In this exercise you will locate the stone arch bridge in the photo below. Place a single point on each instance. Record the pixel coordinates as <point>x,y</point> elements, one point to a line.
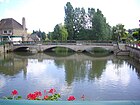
<point>75,47</point>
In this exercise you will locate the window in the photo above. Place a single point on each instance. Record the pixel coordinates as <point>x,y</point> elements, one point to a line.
<point>10,31</point>
<point>7,32</point>
<point>4,32</point>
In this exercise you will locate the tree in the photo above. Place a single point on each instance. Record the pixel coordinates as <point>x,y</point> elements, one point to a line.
<point>115,34</point>
<point>69,17</point>
<point>108,32</point>
<point>50,34</point>
<point>97,25</point>
<point>77,25</point>
<point>43,34</point>
<point>136,33</point>
<point>64,33</point>
<point>82,25</point>
<point>59,33</point>
<point>139,33</point>
<point>118,32</point>
<point>101,29</point>
<point>56,32</point>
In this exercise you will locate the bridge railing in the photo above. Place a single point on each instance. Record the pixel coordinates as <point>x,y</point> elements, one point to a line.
<point>87,42</point>
<point>134,45</point>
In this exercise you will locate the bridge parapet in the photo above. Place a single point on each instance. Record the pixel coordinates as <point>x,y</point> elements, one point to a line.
<point>134,50</point>
<point>78,47</point>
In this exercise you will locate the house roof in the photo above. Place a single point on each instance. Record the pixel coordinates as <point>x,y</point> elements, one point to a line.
<point>10,23</point>
<point>34,37</point>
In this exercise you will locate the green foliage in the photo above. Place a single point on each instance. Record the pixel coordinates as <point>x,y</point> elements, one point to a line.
<point>82,25</point>
<point>59,33</point>
<point>37,95</point>
<point>99,23</point>
<point>69,17</point>
<point>13,97</point>
<point>53,97</point>
<point>19,97</point>
<point>118,32</point>
<point>86,26</point>
<point>50,34</point>
<point>90,25</point>
<point>136,35</point>
<point>56,32</point>
<point>63,33</point>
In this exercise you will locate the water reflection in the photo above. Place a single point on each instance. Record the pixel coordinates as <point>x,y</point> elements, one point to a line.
<point>135,65</point>
<point>106,78</point>
<point>118,74</point>
<point>9,65</point>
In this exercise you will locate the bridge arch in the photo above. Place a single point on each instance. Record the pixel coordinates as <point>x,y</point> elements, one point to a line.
<point>79,48</point>
<point>21,49</point>
<point>51,47</point>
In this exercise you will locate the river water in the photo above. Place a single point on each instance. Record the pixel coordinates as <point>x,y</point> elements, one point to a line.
<point>98,78</point>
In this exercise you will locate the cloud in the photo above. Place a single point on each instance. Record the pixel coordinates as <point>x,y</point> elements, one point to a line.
<point>4,1</point>
<point>115,11</point>
<point>44,14</point>
<point>1,1</point>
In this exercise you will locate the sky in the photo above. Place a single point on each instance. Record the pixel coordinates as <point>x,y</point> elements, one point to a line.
<point>45,14</point>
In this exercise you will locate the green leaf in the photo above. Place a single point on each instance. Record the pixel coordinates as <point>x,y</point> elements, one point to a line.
<point>19,97</point>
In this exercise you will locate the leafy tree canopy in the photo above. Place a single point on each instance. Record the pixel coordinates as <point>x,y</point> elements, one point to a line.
<point>59,33</point>
<point>82,25</point>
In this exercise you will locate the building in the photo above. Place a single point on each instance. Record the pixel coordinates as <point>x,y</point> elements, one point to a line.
<point>12,30</point>
<point>33,37</point>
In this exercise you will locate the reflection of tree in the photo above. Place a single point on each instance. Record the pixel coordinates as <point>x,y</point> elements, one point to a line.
<point>97,68</point>
<point>70,71</point>
<point>79,69</point>
<point>59,52</point>
<point>134,65</point>
<point>75,70</point>
<point>118,63</point>
<point>71,68</point>
<point>59,63</point>
<point>11,66</point>
<point>130,62</point>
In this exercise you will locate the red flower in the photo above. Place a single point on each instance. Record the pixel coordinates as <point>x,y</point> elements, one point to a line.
<point>14,92</point>
<point>139,44</point>
<point>52,90</point>
<point>38,93</point>
<point>46,97</point>
<point>31,96</point>
<point>71,98</point>
<point>83,97</point>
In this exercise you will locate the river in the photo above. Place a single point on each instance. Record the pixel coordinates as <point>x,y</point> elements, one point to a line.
<point>98,78</point>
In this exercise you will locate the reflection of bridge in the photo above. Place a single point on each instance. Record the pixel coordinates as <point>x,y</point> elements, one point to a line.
<point>76,56</point>
<point>73,46</point>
